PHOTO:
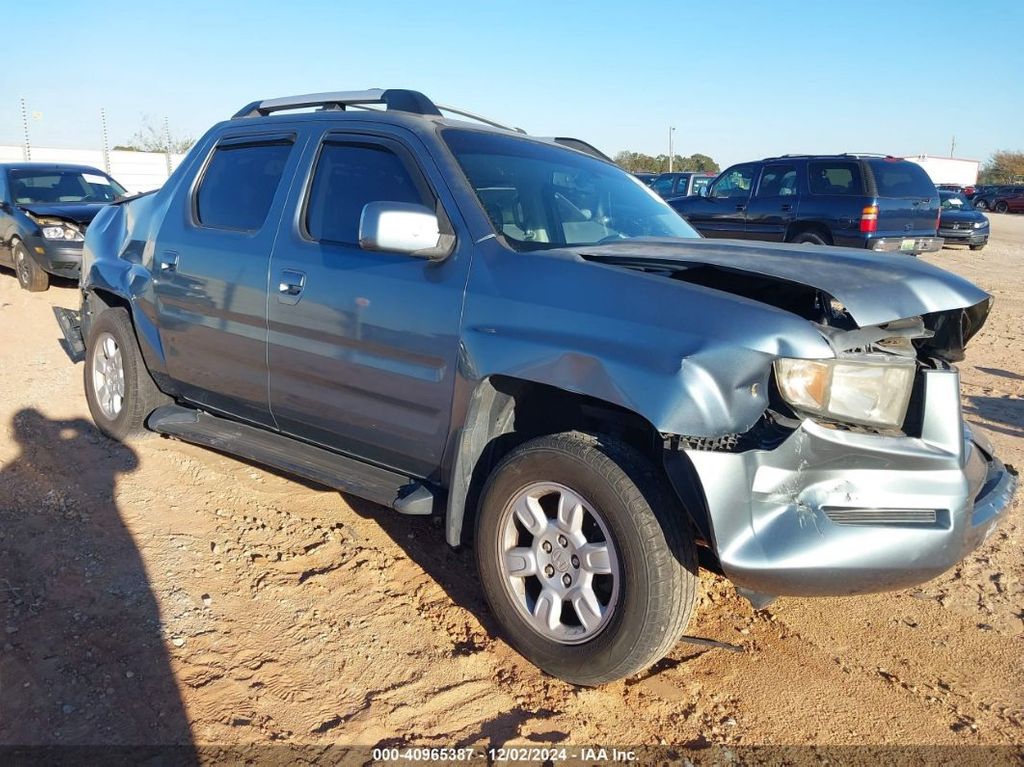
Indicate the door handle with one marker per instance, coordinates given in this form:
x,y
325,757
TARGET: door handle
x,y
168,261
787,207
741,206
290,286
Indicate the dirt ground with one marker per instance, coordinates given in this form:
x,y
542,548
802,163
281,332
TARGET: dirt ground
x,y
163,593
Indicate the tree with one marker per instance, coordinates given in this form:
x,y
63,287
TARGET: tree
x,y
154,138
1003,167
637,162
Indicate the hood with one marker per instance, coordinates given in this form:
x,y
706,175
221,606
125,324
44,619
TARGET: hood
x,y
79,212
967,215
874,288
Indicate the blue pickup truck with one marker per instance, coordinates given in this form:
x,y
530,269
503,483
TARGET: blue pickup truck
x,y
859,201
449,317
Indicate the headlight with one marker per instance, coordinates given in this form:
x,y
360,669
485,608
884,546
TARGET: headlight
x,y
62,232
980,224
867,390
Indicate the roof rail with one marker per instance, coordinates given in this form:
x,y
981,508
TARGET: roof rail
x,y
478,118
397,99
392,98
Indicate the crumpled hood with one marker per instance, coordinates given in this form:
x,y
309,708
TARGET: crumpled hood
x,y
79,212
875,288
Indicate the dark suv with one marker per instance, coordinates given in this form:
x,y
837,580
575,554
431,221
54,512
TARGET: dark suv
x,y
458,319
875,202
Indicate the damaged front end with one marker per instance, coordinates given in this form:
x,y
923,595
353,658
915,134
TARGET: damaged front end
x,y
861,475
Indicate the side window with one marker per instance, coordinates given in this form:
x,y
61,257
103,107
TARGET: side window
x,y
777,180
734,183
663,184
834,178
238,187
347,177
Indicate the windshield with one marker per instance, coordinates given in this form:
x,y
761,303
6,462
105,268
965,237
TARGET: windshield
x,y
539,196
61,186
953,201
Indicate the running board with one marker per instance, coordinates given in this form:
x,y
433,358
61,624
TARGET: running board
x,y
340,472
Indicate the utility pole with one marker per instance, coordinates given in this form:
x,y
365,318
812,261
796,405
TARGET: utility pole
x,y
952,146
167,145
106,146
671,130
27,150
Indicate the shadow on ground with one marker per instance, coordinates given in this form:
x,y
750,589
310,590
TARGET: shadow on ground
x,y
83,660
1002,414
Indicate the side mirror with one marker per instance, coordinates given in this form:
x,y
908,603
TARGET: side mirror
x,y
403,227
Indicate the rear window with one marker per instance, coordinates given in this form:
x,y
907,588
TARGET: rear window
x,y
901,179
835,177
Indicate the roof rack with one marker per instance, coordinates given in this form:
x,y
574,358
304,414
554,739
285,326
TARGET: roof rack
x,y
393,99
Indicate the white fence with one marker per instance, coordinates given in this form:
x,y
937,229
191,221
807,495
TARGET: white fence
x,y
135,171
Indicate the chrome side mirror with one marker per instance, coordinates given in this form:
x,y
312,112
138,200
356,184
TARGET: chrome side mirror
x,y
403,227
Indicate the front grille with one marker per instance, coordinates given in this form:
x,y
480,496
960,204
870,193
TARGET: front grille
x,y
958,227
881,516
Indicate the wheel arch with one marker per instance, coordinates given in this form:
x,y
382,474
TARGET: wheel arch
x,y
797,228
505,411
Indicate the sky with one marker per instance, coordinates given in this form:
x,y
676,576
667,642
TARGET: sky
x,y
738,80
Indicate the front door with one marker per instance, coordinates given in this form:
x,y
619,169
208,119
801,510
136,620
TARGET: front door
x,y
723,212
363,345
211,265
774,205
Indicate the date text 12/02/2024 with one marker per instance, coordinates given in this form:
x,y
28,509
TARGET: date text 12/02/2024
x,y
502,754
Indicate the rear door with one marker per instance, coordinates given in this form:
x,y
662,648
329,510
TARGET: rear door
x,y
908,202
723,212
364,344
211,264
774,205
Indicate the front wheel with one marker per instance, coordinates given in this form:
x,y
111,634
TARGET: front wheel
x,y
31,276
980,205
977,247
120,392
1001,207
586,557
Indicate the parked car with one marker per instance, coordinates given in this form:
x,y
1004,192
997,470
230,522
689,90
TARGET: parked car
x,y
464,320
647,178
874,202
967,191
1010,201
681,184
44,211
989,200
960,223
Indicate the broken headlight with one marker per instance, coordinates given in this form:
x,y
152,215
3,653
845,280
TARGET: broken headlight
x,y
871,389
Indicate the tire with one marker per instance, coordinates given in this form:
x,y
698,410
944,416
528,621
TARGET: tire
x,y
31,277
644,589
120,392
977,247
1001,207
980,205
811,238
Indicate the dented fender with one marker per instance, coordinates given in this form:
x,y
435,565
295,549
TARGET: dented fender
x,y
689,359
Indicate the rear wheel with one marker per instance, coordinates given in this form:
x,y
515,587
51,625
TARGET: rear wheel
x,y
120,392
811,238
981,205
586,557
1001,207
31,277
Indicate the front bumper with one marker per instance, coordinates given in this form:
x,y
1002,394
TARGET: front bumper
x,y
62,258
832,512
965,236
909,244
